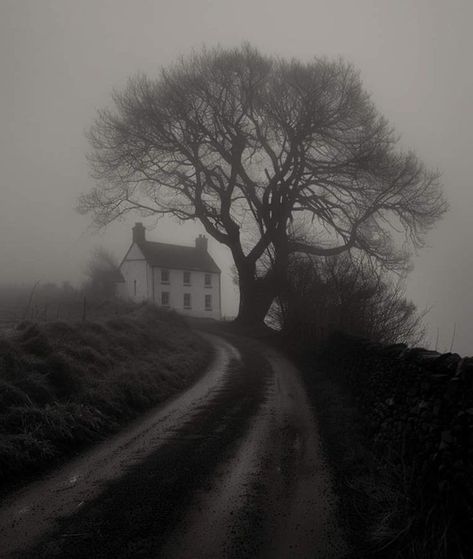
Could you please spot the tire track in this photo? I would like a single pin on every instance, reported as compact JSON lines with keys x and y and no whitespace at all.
{"x":273,"y":497}
{"x":135,"y":514}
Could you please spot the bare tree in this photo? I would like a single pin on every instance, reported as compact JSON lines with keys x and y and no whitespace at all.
{"x":102,"y":273}
{"x":259,"y":149}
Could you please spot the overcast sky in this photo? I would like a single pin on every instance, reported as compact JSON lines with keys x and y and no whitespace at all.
{"x":61,"y":59}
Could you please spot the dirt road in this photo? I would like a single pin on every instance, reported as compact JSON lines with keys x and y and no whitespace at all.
{"x":231,"y":468}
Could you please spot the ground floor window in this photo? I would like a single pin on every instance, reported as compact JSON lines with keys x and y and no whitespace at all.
{"x":165,"y":298}
{"x":187,"y":300}
{"x":208,"y":302}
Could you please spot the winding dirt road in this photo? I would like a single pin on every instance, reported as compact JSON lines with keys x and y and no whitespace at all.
{"x":231,"y":468}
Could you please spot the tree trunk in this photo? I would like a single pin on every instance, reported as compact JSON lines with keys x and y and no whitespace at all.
{"x":256,"y":297}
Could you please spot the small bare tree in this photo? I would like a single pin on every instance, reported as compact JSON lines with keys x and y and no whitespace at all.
{"x":336,"y":293}
{"x":102,"y":273}
{"x":258,"y":148}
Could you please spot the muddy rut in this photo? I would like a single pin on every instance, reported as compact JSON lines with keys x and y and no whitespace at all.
{"x":231,"y":468}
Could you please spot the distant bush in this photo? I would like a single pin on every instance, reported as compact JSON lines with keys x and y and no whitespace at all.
{"x":63,"y":385}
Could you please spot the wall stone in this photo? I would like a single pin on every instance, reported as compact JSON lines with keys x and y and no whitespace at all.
{"x":418,"y":410}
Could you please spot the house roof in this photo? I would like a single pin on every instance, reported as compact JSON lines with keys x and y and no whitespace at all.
{"x":178,"y":257}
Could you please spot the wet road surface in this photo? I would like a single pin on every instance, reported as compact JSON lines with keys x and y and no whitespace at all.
{"x":231,"y":468}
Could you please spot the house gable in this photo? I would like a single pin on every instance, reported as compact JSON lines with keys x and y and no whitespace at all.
{"x":135,"y":271}
{"x":133,"y":253}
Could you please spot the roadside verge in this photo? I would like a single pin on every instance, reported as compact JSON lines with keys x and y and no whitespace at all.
{"x":65,"y":385}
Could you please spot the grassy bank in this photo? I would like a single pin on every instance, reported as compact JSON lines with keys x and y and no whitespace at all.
{"x":64,"y":385}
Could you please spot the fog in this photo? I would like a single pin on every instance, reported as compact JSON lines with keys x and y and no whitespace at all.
{"x":60,"y":61}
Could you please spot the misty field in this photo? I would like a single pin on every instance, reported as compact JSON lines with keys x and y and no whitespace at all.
{"x":49,"y":302}
{"x":65,"y":384}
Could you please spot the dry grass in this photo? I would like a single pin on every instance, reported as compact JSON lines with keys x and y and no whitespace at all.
{"x":63,"y":385}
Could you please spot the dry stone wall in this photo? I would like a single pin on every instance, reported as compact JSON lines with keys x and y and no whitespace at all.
{"x":418,"y":411}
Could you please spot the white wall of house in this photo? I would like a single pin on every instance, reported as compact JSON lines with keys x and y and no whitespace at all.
{"x":135,"y":271}
{"x":196,"y":289}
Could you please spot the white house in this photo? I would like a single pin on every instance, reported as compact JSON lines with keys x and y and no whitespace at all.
{"x":183,"y":278}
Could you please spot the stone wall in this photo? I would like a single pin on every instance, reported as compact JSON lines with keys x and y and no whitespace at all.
{"x":418,"y":411}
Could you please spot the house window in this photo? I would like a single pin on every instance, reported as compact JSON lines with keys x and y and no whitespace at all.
{"x":164,"y":276}
{"x":208,"y":280}
{"x":165,"y":298}
{"x":208,"y":302}
{"x":187,"y":278}
{"x":187,"y":300}
{"x":134,"y":287}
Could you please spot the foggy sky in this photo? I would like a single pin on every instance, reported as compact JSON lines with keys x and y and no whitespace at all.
{"x":61,"y":59}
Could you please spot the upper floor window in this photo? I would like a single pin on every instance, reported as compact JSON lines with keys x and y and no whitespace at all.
{"x":164,"y":276}
{"x":165,"y":298}
{"x":208,"y":302}
{"x":187,"y":278}
{"x":208,"y":280}
{"x":187,"y":300}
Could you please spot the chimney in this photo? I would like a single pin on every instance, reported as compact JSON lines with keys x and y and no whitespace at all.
{"x":201,"y":243}
{"x":138,"y":233}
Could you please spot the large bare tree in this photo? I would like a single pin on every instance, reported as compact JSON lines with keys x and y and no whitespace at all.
{"x":272,"y":156}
